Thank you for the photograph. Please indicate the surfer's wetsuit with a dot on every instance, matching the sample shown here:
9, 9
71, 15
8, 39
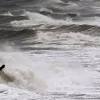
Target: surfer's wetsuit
2, 67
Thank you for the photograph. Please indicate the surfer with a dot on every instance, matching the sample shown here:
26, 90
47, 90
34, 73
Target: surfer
2, 67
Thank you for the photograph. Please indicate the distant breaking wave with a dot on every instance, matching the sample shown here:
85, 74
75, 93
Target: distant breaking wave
15, 35
86, 29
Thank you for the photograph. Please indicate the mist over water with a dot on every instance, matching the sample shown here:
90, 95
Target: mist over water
51, 47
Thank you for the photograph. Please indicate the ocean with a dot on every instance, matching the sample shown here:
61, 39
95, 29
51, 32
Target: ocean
50, 49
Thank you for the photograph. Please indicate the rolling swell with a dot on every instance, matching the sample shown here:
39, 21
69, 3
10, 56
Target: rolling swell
7, 19
16, 35
85, 29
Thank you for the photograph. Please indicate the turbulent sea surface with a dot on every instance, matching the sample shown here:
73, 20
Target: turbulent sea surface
51, 49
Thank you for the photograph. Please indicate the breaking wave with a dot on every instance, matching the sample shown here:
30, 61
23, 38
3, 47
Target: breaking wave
46, 44
18, 73
11, 34
43, 20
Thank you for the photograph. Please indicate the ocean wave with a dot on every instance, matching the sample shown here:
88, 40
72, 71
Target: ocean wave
16, 34
35, 19
45, 23
18, 73
86, 29
6, 18
7, 14
38, 19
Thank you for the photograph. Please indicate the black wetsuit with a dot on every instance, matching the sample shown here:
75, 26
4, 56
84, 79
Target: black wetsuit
2, 67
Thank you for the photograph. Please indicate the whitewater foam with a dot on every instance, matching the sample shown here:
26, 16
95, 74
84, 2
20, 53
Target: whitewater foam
39, 19
19, 71
11, 93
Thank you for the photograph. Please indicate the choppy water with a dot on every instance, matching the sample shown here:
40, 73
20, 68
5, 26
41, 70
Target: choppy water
50, 47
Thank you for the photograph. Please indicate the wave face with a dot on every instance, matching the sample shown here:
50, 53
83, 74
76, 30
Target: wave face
51, 47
